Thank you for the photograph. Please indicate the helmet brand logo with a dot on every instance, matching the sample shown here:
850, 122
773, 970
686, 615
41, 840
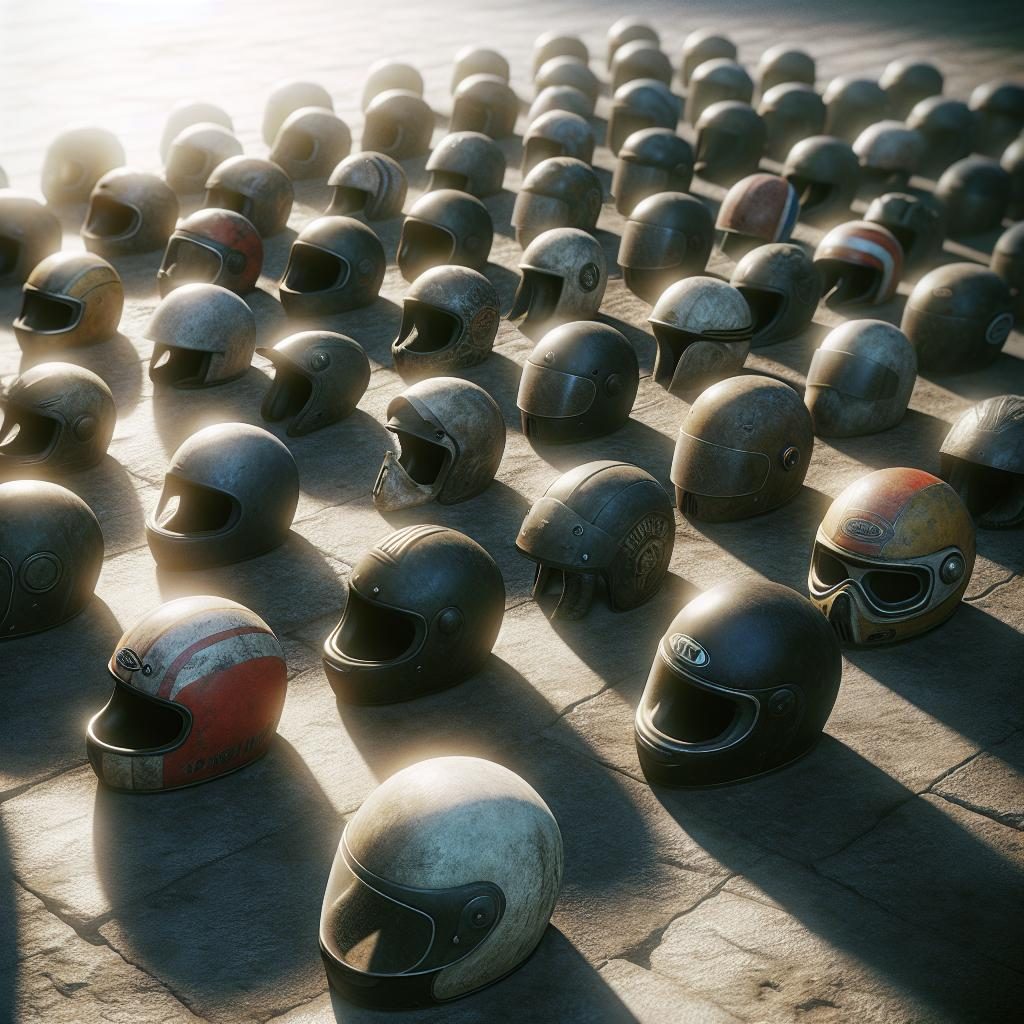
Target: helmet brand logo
999, 329
127, 659
862, 529
687, 649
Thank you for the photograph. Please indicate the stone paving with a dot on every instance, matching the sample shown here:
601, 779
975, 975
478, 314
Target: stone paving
877, 880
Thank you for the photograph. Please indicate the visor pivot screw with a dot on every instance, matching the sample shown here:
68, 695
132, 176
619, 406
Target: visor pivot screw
952, 569
147, 670
439, 434
585, 557
376, 590
479, 917
791, 458
782, 703
549, 357
577, 531
455, 940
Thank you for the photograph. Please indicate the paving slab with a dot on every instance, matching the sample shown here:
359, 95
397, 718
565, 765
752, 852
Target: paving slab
991, 783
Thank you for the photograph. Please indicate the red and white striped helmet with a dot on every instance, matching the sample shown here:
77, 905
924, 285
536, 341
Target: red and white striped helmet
859, 263
199, 686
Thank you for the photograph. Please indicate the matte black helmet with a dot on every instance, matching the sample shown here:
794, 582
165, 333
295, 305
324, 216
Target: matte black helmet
557, 133
229, 494
563, 275
639, 59
918, 222
958, 318
560, 97
399, 124
976, 194
743, 449
782, 65
757, 209
257, 189
335, 264
625, 30
860, 262
468, 162
450, 316
129, 212
602, 525
730, 141
558, 192
889, 153
651, 160
552, 45
450, 436
445, 226
743, 682
1012, 161
319, 377
310, 143
567, 70
702, 45
579, 382
384, 75
907, 82
716, 81
791, 113
852, 104
51, 550
424, 608
287, 97
213, 246
1000, 110
195, 152
478, 60
76, 160
188, 113
643, 103
372, 184
982, 459
825, 172
668, 236
782, 289
29, 233
948, 128
484, 103
1008, 263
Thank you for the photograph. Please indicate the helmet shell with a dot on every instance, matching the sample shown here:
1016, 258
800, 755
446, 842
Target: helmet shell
560, 97
188, 113
917, 223
558, 192
860, 262
889, 153
907, 82
651, 160
129, 212
730, 141
484, 103
999, 107
1008, 262
825, 172
446, 226
553, 45
212, 246
29, 233
75, 161
399, 124
759, 208
701, 45
478, 60
195, 152
556, 133
384, 75
717, 81
639, 58
852, 104
310, 143
625, 30
642, 103
948, 128
287, 97
568, 70
976, 192
467, 162
791, 113
371, 184
784, 65
1012, 161
257, 189
782, 289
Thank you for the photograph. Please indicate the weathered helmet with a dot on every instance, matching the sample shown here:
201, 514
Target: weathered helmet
782, 65
606, 525
917, 222
424, 608
703, 45
579, 382
958, 318
451, 437
852, 104
892, 557
551, 45
651, 160
229, 494
757, 209
643, 103
999, 107
195, 152
782, 289
982, 459
668, 236
202, 335
948, 128
76, 160
65, 417
199, 686
730, 141
384, 75
129, 212
976, 194
625, 30
567, 70
478, 60
907, 82
287, 97
310, 143
484, 103
826, 174
743, 682
717, 81
558, 192
446, 226
399, 124
69, 299
1008, 262
214, 247
29, 232
556, 133
450, 316
703, 328
51, 550
889, 153
372, 184
1012, 161
335, 264
743, 449
563, 275
468, 162
859, 262
319, 377
560, 97
639, 59
257, 189
189, 113
860, 379
791, 113
446, 918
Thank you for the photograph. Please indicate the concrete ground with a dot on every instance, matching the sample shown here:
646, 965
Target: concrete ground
878, 880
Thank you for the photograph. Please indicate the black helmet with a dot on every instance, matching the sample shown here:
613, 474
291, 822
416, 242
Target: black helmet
52, 550
451, 437
791, 113
784, 65
889, 153
1008, 262
468, 162
424, 608
287, 97
668, 236
852, 104
651, 160
29, 233
976, 193
860, 262
607, 523
782, 289
948, 128
76, 160
65, 417
560, 97
703, 328
368, 183
445, 226
982, 459
229, 494
643, 103
958, 318
730, 141
907, 82
702, 45
1000, 110
129, 212
717, 81
213, 246
484, 103
319, 377
399, 124
188, 113
1012, 161
563, 275
579, 382
195, 152
625, 30
566, 70
335, 264
552, 45
478, 60
450, 316
742, 449
384, 75
257, 189
825, 172
639, 59
310, 143
743, 682
558, 192
556, 133
918, 223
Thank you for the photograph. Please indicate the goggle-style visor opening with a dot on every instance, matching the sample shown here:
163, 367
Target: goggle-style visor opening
312, 269
766, 307
287, 396
846, 284
888, 590
27, 435
188, 261
448, 179
43, 313
813, 195
348, 200
714, 471
992, 496
536, 298
229, 199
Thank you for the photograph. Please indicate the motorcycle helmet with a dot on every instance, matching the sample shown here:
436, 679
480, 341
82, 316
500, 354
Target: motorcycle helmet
399, 124
212, 247
567, 70
552, 45
642, 103
704, 45
782, 289
784, 65
28, 234
385, 75
188, 113
860, 262
484, 103
1008, 262
976, 193
625, 30
757, 209
917, 223
907, 82
889, 154
478, 60
558, 192
791, 113
826, 174
560, 97
257, 189
717, 81
310, 143
851, 104
195, 152
75, 161
948, 128
467, 162
372, 184
286, 98
446, 226
999, 107
639, 59
651, 160
556, 133
1012, 161
730, 141
129, 212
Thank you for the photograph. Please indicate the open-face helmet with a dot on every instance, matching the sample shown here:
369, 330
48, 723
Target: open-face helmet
860, 262
372, 184
757, 209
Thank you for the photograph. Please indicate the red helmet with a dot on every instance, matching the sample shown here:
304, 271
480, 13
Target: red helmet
860, 263
212, 246
199, 685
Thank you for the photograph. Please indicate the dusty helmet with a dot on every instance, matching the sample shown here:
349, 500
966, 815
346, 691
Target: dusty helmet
889, 153
399, 124
782, 289
29, 233
76, 160
566, 70
651, 160
999, 107
560, 97
310, 143
639, 59
557, 133
484, 103
384, 75
213, 247
372, 184
195, 152
287, 97
730, 141
948, 128
552, 45
478, 60
791, 113
906, 83
558, 192
1012, 161
783, 65
917, 222
860, 262
852, 104
129, 212
717, 81
446, 226
826, 174
189, 113
703, 45
757, 209
1008, 262
976, 193
468, 162
257, 189
625, 30
643, 103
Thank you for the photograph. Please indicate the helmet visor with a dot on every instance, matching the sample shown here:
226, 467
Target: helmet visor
852, 375
312, 269
423, 246
188, 260
534, 213
888, 589
552, 394
649, 247
715, 471
634, 181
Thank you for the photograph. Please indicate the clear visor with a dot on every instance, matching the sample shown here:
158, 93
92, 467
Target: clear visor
552, 394
714, 471
852, 375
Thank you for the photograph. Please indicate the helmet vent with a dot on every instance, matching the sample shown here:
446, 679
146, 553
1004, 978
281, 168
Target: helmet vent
689, 506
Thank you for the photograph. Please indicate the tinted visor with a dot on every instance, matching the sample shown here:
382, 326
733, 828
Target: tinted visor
312, 269
852, 375
649, 247
552, 394
714, 471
